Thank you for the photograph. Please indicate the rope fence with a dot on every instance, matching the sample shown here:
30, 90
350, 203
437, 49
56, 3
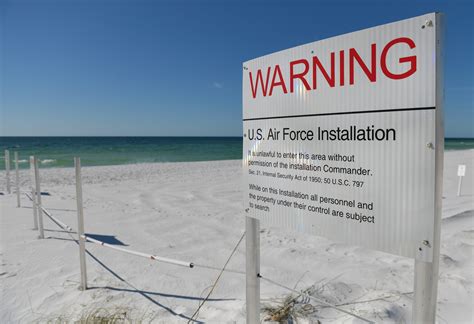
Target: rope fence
196, 265
38, 210
186, 264
54, 219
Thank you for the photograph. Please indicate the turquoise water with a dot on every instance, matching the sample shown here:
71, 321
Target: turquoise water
458, 143
59, 151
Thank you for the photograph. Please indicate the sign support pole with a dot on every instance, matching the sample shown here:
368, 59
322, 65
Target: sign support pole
426, 273
38, 199
252, 269
33, 192
7, 169
17, 181
80, 224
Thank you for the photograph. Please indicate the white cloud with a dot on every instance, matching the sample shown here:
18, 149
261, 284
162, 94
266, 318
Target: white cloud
217, 85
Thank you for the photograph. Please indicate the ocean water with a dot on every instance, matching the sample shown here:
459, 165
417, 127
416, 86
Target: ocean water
60, 151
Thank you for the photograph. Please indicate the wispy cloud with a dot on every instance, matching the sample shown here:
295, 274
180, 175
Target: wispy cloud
217, 85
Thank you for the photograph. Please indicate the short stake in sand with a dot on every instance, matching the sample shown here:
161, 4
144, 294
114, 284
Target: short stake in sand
7, 169
461, 174
17, 181
38, 199
80, 225
33, 194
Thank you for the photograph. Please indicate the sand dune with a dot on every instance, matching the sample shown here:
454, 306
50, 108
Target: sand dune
193, 212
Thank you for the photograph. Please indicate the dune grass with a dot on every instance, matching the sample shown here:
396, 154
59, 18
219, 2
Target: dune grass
104, 315
289, 309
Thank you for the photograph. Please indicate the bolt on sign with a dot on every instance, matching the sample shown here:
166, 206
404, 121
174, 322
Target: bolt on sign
343, 137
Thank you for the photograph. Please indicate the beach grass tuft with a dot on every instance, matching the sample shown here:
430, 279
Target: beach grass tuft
117, 315
103, 315
288, 309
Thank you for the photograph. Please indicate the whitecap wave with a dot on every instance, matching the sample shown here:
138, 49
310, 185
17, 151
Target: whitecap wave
47, 161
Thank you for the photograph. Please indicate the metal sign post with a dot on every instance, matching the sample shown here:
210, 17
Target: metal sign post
80, 225
38, 199
426, 273
17, 181
7, 169
252, 269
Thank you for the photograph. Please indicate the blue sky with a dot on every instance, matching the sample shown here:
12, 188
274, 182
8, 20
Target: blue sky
169, 68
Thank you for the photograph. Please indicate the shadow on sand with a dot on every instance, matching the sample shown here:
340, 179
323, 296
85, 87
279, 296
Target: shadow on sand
109, 239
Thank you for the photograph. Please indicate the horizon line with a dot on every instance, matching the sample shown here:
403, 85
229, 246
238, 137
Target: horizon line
212, 136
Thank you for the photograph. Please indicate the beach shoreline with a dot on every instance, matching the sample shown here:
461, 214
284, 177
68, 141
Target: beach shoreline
104, 151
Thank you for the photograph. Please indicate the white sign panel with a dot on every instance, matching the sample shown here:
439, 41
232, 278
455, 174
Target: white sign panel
461, 170
340, 137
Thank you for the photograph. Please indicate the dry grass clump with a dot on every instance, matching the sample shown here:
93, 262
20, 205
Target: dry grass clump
102, 315
118, 315
289, 309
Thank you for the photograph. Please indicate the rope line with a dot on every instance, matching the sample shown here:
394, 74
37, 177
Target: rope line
144, 255
54, 219
217, 279
148, 256
196, 265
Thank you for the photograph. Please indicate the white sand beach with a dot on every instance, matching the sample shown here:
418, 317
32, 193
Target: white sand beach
193, 212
